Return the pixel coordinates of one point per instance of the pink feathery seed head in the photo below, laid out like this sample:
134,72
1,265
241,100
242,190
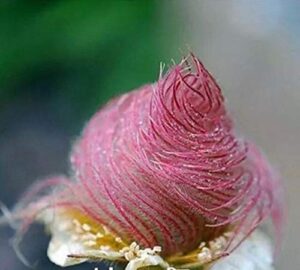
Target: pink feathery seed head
161,165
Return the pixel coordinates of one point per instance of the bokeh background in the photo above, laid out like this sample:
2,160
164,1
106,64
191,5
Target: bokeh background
60,60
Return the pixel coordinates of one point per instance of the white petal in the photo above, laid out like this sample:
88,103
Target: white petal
58,251
64,242
255,253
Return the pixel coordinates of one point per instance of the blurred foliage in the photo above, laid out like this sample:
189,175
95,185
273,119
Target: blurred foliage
78,54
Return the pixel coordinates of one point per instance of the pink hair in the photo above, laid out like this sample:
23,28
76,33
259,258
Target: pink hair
161,165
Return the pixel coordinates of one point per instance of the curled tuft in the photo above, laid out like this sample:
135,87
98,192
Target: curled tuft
161,165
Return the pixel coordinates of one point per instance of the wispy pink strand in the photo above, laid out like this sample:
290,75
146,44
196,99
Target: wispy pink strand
161,165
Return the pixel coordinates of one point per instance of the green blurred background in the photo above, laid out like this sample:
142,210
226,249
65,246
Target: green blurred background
74,55
61,60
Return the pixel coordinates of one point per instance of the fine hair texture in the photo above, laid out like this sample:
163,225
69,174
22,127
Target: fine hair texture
162,165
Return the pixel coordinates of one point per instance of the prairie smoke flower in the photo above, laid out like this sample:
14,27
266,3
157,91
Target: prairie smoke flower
159,178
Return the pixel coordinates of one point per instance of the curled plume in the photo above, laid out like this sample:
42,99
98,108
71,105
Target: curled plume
162,165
